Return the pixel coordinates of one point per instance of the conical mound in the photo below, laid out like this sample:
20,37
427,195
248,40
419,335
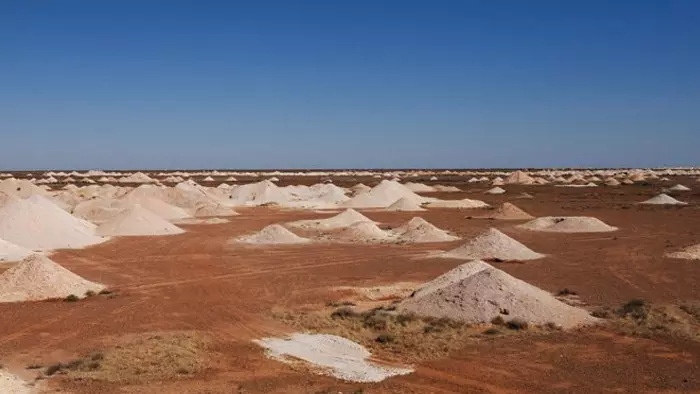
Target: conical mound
495,190
679,188
689,253
12,252
273,234
161,208
492,244
663,199
568,224
341,220
489,293
520,178
38,224
507,211
612,182
405,205
138,221
418,230
452,276
364,232
524,195
39,278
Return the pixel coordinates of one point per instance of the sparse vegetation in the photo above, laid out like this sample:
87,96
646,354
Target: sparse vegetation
72,298
492,331
498,321
343,313
34,366
566,292
337,304
386,338
637,309
90,293
602,313
517,324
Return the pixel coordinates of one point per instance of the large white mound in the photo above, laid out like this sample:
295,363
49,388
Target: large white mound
99,210
419,187
492,244
689,253
519,178
450,277
507,211
137,221
331,355
11,252
418,230
405,205
457,204
159,207
341,220
383,195
273,234
568,224
481,294
39,278
38,224
663,199
264,192
20,188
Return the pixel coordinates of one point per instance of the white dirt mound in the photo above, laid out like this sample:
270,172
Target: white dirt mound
138,221
364,232
383,195
273,234
507,211
519,178
405,205
689,253
495,190
38,224
160,208
568,224
492,244
341,220
211,208
418,230
457,204
446,189
679,188
99,210
39,278
332,355
11,384
663,199
488,293
419,187
450,277
12,252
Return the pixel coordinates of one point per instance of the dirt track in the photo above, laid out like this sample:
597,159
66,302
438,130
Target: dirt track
193,282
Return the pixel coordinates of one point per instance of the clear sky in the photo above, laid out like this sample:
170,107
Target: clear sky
348,83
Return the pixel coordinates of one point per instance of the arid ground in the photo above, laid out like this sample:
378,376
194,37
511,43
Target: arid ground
185,308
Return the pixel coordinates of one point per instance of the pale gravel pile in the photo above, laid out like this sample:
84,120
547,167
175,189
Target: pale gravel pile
211,209
273,234
492,244
364,232
341,220
689,253
663,199
519,178
159,207
382,195
11,252
332,355
419,187
137,221
612,182
405,205
457,204
11,384
679,188
39,278
38,224
568,224
507,211
452,276
98,210
488,293
418,230
446,189
495,190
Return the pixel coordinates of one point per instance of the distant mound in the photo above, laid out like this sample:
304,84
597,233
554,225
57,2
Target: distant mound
405,205
457,204
138,221
663,199
492,244
689,253
273,234
495,190
341,220
38,278
418,230
479,293
568,224
364,232
679,188
507,211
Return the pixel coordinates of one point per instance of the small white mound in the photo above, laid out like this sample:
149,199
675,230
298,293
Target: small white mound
364,232
273,234
492,244
419,187
663,199
341,220
679,188
495,190
612,182
138,221
39,278
11,252
568,224
211,208
507,211
689,253
457,204
38,224
418,230
446,189
333,355
519,178
405,205
481,294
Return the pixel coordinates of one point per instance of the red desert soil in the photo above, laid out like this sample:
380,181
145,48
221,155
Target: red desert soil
192,282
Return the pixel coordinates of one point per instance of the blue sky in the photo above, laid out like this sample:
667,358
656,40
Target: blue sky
361,84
